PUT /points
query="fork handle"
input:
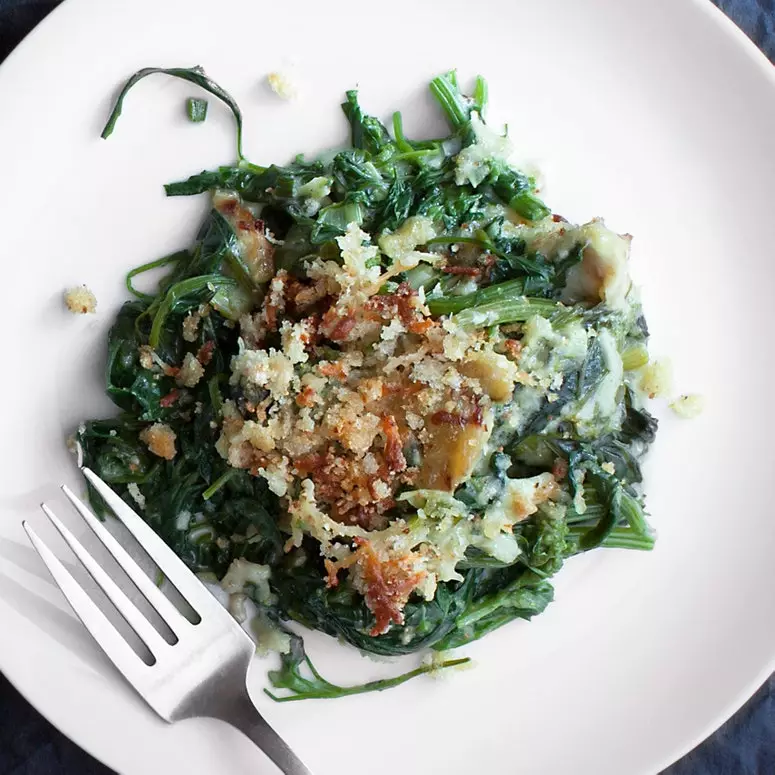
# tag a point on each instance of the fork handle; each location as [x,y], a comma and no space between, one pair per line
[244,715]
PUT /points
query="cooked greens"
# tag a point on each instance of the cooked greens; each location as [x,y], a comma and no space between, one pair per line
[196,109]
[386,393]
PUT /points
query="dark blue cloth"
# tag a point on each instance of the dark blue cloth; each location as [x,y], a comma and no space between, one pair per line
[743,746]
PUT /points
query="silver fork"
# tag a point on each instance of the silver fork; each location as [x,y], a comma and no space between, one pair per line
[205,672]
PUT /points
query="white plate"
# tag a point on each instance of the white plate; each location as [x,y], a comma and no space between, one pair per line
[658,115]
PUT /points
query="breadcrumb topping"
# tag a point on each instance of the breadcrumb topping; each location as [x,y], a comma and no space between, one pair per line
[80,300]
[688,406]
[368,396]
[160,440]
[282,85]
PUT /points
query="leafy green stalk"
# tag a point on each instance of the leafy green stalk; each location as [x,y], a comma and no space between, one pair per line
[367,132]
[480,95]
[214,394]
[316,687]
[497,313]
[456,107]
[521,598]
[171,259]
[221,481]
[507,291]
[529,206]
[204,285]
[195,75]
[196,109]
[398,132]
[617,538]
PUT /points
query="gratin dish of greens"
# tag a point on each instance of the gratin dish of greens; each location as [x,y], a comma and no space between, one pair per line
[384,394]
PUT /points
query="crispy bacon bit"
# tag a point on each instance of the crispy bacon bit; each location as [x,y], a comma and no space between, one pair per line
[228,206]
[270,312]
[333,568]
[341,330]
[488,263]
[443,417]
[310,335]
[468,271]
[421,326]
[558,218]
[301,295]
[305,464]
[253,224]
[170,398]
[400,304]
[332,369]
[560,468]
[513,348]
[394,454]
[388,585]
[170,371]
[473,417]
[306,397]
[342,484]
[257,462]
[205,354]
[336,326]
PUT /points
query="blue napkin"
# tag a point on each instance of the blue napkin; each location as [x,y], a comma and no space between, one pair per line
[745,745]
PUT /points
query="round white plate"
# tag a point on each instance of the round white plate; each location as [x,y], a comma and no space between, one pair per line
[658,115]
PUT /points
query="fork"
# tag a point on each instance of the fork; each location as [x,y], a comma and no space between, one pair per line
[204,673]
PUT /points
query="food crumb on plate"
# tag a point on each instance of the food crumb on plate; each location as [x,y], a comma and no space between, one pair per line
[80,300]
[657,378]
[281,85]
[688,406]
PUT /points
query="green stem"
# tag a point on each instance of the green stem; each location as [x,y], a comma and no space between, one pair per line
[480,94]
[195,75]
[507,311]
[176,292]
[215,396]
[332,691]
[398,130]
[631,510]
[618,538]
[529,206]
[448,305]
[218,483]
[147,267]
[444,89]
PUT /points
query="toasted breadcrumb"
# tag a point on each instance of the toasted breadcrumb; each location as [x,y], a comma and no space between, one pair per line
[281,85]
[80,300]
[657,378]
[137,496]
[160,439]
[190,372]
[191,326]
[688,406]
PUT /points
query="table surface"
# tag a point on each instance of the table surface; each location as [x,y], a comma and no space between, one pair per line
[745,745]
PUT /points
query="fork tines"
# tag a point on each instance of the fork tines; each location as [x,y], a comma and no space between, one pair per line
[106,635]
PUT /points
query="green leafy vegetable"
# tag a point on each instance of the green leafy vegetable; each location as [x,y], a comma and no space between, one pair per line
[488,268]
[196,109]
[195,75]
[290,677]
